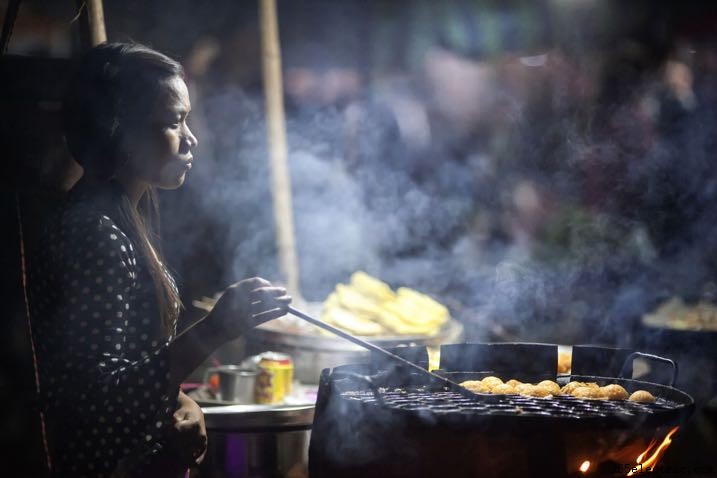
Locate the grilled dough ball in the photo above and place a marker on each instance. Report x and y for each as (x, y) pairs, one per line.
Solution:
(642, 396)
(530, 390)
(553, 387)
(569, 387)
(587, 392)
(513, 382)
(503, 389)
(492, 381)
(524, 388)
(614, 392)
(540, 391)
(476, 386)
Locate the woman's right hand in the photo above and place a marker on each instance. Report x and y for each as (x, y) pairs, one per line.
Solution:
(248, 303)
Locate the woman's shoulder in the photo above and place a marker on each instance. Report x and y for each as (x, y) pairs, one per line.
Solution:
(83, 226)
(78, 218)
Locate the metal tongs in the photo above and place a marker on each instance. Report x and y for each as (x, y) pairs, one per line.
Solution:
(447, 383)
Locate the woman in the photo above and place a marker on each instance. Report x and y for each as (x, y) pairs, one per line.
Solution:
(103, 306)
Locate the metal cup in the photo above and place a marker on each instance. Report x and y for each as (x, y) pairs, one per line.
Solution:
(236, 384)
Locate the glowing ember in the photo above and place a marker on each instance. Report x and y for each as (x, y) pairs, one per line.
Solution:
(585, 466)
(649, 463)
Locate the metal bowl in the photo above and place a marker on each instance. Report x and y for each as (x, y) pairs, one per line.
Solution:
(246, 441)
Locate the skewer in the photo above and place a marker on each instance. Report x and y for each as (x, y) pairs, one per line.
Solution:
(375, 348)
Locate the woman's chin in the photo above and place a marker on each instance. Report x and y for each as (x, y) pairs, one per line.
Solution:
(172, 183)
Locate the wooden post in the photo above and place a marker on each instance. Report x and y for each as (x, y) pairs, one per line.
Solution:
(91, 23)
(96, 15)
(276, 140)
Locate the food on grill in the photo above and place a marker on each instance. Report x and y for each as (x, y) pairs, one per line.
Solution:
(492, 382)
(675, 314)
(476, 386)
(588, 392)
(553, 387)
(368, 306)
(564, 363)
(642, 396)
(614, 392)
(548, 388)
(569, 387)
(503, 389)
(525, 389)
(534, 390)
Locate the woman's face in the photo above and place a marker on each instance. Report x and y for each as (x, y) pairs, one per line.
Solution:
(160, 147)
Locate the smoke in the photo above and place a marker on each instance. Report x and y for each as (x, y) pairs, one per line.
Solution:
(572, 202)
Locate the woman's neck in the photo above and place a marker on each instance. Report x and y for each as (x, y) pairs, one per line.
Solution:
(133, 187)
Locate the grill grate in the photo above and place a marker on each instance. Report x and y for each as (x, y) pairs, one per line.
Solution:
(561, 406)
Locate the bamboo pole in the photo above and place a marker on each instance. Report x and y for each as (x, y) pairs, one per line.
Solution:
(96, 17)
(91, 23)
(276, 140)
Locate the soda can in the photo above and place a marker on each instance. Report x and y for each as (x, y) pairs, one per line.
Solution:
(276, 374)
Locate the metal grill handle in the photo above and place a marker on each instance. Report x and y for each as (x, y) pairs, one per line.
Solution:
(630, 358)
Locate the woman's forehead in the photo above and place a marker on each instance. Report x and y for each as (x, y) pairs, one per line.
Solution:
(174, 95)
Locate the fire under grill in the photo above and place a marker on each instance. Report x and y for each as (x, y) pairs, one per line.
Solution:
(378, 420)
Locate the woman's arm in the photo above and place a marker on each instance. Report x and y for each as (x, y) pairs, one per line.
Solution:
(242, 306)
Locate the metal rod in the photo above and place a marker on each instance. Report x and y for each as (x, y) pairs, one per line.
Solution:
(375, 348)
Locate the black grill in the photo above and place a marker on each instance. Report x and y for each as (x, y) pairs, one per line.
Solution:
(379, 420)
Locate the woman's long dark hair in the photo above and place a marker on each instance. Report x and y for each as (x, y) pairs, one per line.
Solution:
(116, 85)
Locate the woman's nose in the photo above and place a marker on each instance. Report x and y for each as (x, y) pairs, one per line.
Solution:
(191, 139)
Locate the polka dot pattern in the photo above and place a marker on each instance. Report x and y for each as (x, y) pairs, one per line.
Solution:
(101, 349)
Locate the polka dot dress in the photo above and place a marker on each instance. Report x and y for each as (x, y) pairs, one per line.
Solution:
(101, 349)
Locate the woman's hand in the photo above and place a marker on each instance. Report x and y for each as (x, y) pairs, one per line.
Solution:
(247, 304)
(190, 434)
(243, 305)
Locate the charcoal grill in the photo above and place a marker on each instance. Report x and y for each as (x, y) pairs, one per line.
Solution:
(378, 420)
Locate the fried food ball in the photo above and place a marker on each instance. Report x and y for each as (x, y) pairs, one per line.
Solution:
(503, 389)
(642, 396)
(569, 387)
(553, 387)
(592, 385)
(513, 382)
(614, 392)
(587, 392)
(476, 386)
(524, 388)
(540, 391)
(492, 381)
(530, 390)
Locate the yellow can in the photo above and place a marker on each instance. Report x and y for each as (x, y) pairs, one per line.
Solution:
(273, 382)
